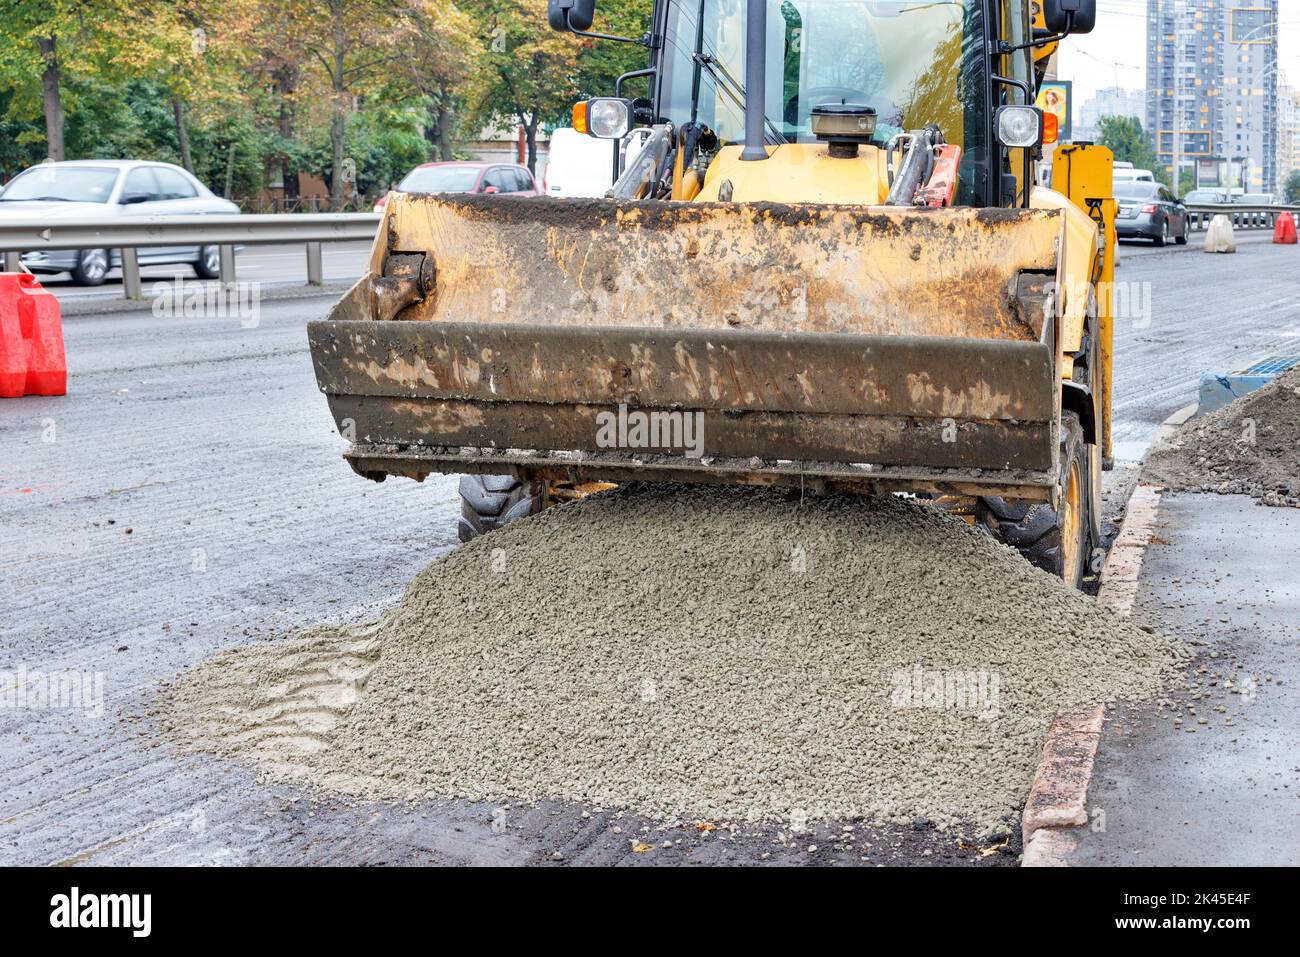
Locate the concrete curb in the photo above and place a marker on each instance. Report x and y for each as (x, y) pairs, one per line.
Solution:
(1124, 563)
(1058, 798)
(1171, 424)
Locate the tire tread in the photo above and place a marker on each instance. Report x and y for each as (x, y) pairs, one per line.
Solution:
(487, 502)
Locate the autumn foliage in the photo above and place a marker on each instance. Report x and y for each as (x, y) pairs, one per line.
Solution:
(251, 93)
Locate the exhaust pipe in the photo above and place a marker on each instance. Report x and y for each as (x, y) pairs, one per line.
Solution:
(755, 79)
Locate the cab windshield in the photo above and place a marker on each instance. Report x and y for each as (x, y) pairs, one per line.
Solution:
(913, 61)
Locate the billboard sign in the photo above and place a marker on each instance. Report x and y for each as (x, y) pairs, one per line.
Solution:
(1056, 96)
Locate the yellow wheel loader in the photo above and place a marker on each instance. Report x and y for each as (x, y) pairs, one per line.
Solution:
(825, 261)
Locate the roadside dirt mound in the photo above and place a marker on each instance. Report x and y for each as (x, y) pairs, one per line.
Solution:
(1251, 447)
(691, 653)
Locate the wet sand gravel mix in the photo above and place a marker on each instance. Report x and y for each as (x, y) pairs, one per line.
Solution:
(724, 654)
(1249, 447)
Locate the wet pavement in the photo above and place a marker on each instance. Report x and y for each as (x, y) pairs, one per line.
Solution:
(1213, 778)
(189, 494)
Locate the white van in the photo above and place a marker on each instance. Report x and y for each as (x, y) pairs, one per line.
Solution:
(578, 164)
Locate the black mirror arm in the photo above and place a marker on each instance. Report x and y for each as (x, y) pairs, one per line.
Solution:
(623, 78)
(1005, 47)
(647, 40)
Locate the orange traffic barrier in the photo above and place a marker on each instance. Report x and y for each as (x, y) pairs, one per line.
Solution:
(32, 361)
(13, 353)
(1284, 231)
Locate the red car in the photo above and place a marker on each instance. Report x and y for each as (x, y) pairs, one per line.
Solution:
(456, 177)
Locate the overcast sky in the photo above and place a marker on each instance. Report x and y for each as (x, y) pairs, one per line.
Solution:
(1115, 52)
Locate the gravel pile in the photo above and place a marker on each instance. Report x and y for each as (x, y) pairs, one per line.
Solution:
(1251, 447)
(725, 654)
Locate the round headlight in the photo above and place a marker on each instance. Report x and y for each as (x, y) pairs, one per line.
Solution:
(1020, 126)
(608, 119)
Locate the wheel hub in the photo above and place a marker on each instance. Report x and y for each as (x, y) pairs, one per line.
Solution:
(94, 264)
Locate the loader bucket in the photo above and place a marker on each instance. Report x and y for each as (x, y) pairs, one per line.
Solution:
(856, 348)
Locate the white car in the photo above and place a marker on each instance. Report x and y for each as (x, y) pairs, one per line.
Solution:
(89, 189)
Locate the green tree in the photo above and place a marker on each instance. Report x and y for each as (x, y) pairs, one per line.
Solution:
(1292, 187)
(528, 71)
(1128, 141)
(352, 42)
(602, 62)
(441, 55)
(46, 46)
(384, 142)
(40, 43)
(265, 44)
(22, 141)
(361, 45)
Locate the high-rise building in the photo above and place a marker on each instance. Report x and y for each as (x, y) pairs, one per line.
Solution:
(1212, 88)
(1250, 91)
(1111, 101)
(1288, 133)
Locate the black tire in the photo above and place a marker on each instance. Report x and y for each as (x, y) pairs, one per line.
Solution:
(1036, 529)
(208, 265)
(91, 268)
(1163, 238)
(488, 502)
(1186, 233)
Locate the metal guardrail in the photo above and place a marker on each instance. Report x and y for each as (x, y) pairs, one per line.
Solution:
(130, 234)
(1242, 215)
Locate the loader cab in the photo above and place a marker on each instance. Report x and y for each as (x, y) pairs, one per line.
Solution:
(909, 63)
(952, 63)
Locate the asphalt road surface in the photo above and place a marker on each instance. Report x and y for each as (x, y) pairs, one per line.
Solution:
(1207, 313)
(188, 494)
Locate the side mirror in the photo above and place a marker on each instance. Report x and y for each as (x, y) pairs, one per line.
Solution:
(130, 199)
(491, 189)
(569, 15)
(1070, 16)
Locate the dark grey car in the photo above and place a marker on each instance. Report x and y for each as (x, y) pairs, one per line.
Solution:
(1150, 211)
(91, 189)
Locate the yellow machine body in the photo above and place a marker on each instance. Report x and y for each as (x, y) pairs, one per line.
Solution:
(818, 337)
